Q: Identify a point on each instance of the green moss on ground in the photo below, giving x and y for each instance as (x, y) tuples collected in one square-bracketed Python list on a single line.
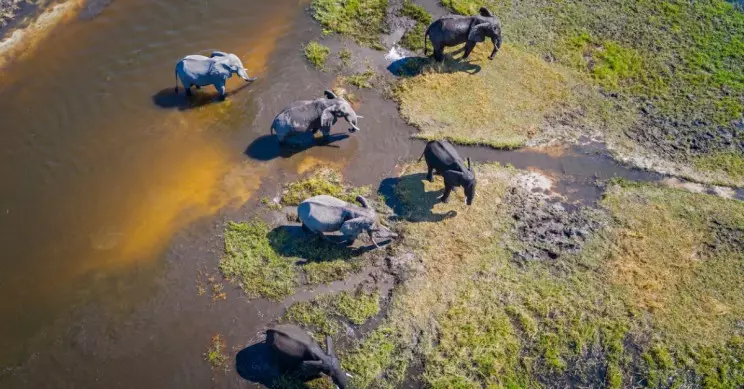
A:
[(317, 54), (676, 66), (362, 20), (654, 298), (323, 314), (324, 181), (413, 39)]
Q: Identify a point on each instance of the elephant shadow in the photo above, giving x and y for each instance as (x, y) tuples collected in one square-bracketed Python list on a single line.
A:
[(413, 66), (170, 99), (293, 241), (256, 364), (267, 147), (419, 209)]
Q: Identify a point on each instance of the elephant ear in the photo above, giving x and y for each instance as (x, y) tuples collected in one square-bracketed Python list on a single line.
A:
[(329, 95), (478, 32), (485, 12), (453, 177), (218, 54), (327, 119)]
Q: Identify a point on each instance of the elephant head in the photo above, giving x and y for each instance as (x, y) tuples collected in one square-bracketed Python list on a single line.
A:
[(487, 25), (339, 108), (464, 178), (229, 64)]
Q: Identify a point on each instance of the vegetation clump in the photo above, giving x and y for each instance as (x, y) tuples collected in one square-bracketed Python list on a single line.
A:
[(360, 80), (215, 354), (362, 20), (413, 39), (317, 54), (652, 298), (324, 181), (323, 314)]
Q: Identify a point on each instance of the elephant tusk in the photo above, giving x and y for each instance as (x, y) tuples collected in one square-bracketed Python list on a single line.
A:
[(360, 117), (349, 375)]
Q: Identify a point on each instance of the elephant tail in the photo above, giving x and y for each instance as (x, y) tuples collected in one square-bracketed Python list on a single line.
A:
[(426, 34), (422, 155), (362, 201)]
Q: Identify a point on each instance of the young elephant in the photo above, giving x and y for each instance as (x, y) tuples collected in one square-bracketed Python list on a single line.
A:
[(323, 213), (313, 115), (453, 30), (294, 349), (199, 71), (442, 157)]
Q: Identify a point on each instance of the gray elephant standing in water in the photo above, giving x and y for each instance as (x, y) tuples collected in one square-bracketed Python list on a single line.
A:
[(199, 71), (323, 213), (313, 115), (453, 30)]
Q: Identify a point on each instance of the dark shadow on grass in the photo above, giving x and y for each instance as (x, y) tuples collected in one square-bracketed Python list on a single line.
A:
[(170, 99), (293, 241), (266, 147), (413, 66), (256, 363), (412, 187)]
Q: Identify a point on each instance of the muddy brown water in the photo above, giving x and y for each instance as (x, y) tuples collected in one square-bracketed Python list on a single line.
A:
[(114, 190)]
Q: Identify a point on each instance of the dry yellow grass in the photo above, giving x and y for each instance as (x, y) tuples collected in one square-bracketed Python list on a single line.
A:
[(502, 105)]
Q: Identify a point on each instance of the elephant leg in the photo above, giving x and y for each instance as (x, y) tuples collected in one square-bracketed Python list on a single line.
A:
[(430, 174), (197, 86), (188, 90), (221, 89), (468, 48), (447, 192), (439, 53)]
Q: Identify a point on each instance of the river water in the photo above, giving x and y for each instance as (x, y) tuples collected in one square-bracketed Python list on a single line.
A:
[(114, 189)]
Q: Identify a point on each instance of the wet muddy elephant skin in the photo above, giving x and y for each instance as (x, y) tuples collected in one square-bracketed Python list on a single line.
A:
[(199, 71), (313, 115), (453, 30), (323, 213), (443, 158), (295, 350)]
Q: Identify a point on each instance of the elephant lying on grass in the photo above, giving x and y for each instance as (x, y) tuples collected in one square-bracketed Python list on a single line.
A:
[(313, 115), (453, 30), (199, 71), (294, 349), (323, 213)]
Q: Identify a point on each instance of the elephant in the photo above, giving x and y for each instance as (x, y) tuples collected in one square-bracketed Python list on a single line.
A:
[(453, 30), (295, 350), (324, 213), (199, 71), (313, 115), (442, 157)]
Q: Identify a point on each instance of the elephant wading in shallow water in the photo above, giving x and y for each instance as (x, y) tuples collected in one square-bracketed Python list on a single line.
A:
[(323, 213), (453, 30), (313, 115), (295, 350), (199, 71)]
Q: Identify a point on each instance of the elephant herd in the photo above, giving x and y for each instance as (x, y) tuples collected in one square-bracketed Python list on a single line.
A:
[(292, 346)]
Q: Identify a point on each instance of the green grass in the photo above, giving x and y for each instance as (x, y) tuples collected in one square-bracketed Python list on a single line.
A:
[(216, 355), (317, 54), (323, 314), (362, 20), (360, 80), (413, 39), (322, 182), (654, 298), (677, 66), (494, 106), (345, 57), (729, 163), (251, 260)]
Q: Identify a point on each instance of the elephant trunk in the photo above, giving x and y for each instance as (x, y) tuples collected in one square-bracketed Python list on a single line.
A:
[(243, 73), (352, 119)]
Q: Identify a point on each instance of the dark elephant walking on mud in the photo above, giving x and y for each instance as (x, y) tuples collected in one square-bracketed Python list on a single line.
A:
[(443, 158), (453, 30), (295, 350), (314, 115)]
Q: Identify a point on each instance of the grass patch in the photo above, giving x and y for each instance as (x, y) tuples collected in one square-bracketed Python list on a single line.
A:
[(496, 106), (317, 54), (731, 164), (322, 182), (251, 261), (413, 39), (345, 57), (652, 300), (362, 20), (216, 355), (323, 313), (360, 80)]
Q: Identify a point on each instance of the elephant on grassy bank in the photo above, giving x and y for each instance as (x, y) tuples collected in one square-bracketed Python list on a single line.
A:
[(199, 71), (295, 350), (321, 214), (442, 157), (453, 30), (313, 115)]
